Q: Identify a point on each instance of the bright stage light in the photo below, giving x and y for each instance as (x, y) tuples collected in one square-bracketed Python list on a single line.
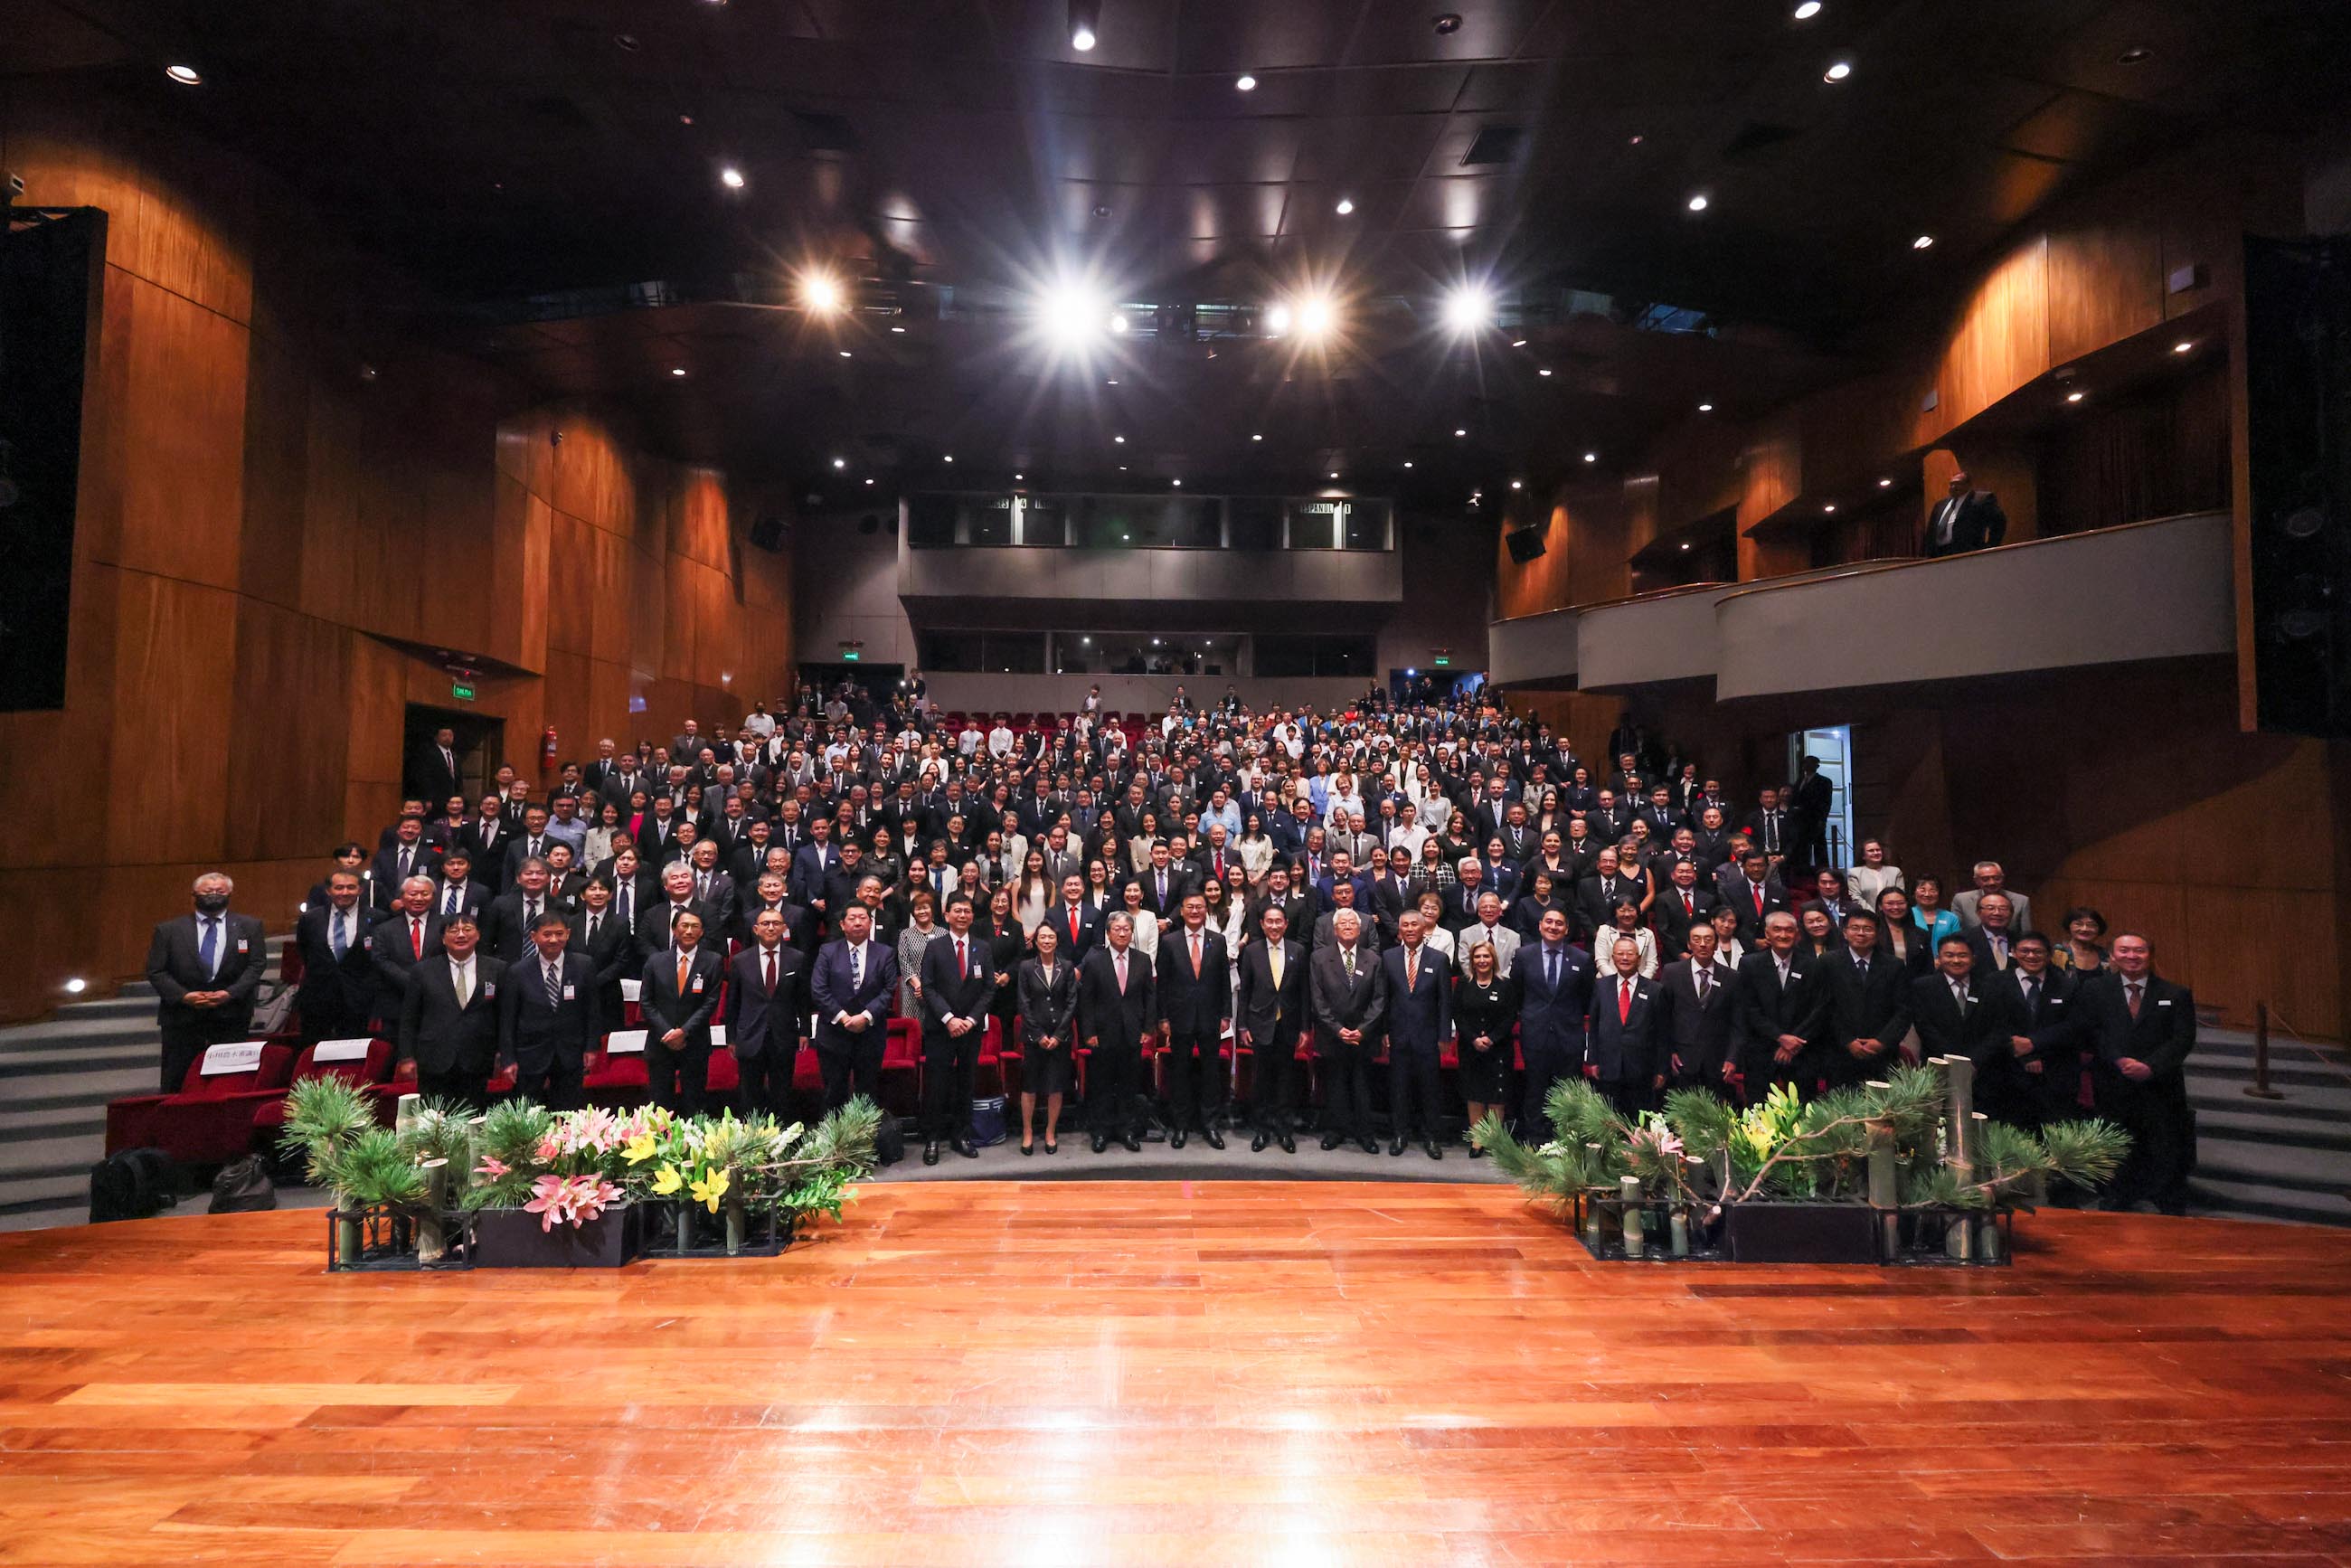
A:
[(1469, 308)]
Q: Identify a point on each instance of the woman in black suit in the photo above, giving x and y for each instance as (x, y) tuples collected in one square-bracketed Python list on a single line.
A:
[(1006, 942), (1542, 894), (1484, 1009), (1049, 1005)]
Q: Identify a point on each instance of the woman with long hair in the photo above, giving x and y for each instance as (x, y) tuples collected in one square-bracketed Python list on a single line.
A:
[(1047, 1008)]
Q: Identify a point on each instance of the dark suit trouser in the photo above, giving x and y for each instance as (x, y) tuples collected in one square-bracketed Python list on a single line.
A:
[(768, 1079), (466, 1088), (558, 1085), (185, 1038), (1196, 1078), (1544, 1068), (1112, 1071), (2162, 1128), (854, 1071), (328, 1019), (680, 1079), (1347, 1088), (950, 1076), (1273, 1060), (1413, 1090), (1629, 1095)]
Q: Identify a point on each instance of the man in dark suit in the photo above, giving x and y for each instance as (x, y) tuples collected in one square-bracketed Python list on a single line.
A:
[(657, 921), (510, 926), (678, 997), (485, 841), (1196, 1010), (1269, 1013), (205, 968), (433, 773), (337, 997), (1993, 938), (1418, 984), (400, 940), (1682, 907), (1771, 828), (1116, 1011), (456, 890), (957, 986), (407, 855), (812, 869), (1349, 1004), (1868, 996), (1961, 1012), (449, 1018), (1697, 1016), (549, 1018), (609, 945), (1165, 884), (1597, 895), (2056, 1053), (854, 980), (1812, 801), (1965, 519), (532, 844), (1555, 984), (1756, 893), (1076, 921), (1621, 1055), (763, 1015), (2142, 1028), (1781, 1011)]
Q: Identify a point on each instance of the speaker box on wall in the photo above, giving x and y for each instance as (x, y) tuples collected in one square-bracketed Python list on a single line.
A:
[(49, 263), (1525, 544), (768, 533), (2298, 457)]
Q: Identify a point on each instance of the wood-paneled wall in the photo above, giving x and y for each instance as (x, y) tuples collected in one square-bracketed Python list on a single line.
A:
[(261, 527)]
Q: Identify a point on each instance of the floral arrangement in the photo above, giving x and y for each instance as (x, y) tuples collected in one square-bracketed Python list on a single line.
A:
[(1703, 1152)]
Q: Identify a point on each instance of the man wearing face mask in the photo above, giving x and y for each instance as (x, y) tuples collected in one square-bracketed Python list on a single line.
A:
[(206, 967)]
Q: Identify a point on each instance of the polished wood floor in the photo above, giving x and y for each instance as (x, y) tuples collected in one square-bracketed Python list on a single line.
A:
[(1227, 1373)]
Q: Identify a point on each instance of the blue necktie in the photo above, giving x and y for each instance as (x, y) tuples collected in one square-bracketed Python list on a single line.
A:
[(336, 938), (1550, 966), (208, 949)]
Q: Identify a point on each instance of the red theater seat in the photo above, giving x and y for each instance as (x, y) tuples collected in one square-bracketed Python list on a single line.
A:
[(270, 1104), (209, 1121)]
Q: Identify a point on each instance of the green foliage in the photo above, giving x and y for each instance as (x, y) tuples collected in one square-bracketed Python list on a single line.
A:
[(373, 1167), (2084, 1153), (441, 1130), (1581, 1114), (511, 1132), (1705, 1124), (845, 1139), (322, 1114)]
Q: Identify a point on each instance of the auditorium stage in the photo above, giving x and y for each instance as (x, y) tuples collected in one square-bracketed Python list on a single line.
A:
[(1217, 1372)]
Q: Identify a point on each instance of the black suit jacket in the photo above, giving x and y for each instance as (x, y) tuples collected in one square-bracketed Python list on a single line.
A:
[(1769, 1009), (1048, 1009), (666, 1008), (1673, 923), (949, 994), (532, 1033), (1193, 1004), (614, 952), (2161, 1036), (1108, 1016), (1977, 523), (431, 779), (175, 967), (331, 986), (1698, 1035), (436, 1033), (1875, 1006), (425, 861), (758, 1023), (505, 934), (1983, 1033), (1623, 1047), (1267, 1013)]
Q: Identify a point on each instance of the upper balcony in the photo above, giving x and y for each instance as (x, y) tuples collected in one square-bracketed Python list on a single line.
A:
[(2161, 589)]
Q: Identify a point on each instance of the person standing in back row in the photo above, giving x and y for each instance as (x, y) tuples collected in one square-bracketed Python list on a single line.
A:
[(1966, 519), (206, 968)]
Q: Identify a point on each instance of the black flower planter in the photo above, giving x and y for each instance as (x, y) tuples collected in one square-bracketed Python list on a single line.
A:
[(1802, 1233), (382, 1240), (514, 1239), (684, 1229)]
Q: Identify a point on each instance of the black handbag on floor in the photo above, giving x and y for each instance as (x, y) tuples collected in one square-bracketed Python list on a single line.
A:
[(243, 1187)]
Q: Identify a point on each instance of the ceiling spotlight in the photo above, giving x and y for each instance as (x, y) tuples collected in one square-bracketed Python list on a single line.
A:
[(77, 986), (1592, 457), (1830, 507), (1449, 23), (1458, 433), (1347, 205), (2135, 56), (1117, 322), (677, 370), (1885, 483), (731, 177), (1634, 139), (1923, 242), (1085, 17), (186, 75), (819, 292), (1469, 308), (1838, 71), (1277, 321), (1316, 316), (1515, 484), (1118, 440), (1246, 83), (2076, 397), (948, 458), (845, 354), (1072, 312), (1808, 10), (1686, 544), (1518, 343), (1407, 461), (1544, 370), (1256, 438), (1698, 202), (1178, 484), (840, 463), (897, 329), (1111, 383), (869, 481), (2182, 347), (1705, 407), (1334, 473), (1015, 475)]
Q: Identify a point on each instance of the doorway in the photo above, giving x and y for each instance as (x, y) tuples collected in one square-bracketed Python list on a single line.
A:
[(1834, 747), (480, 742)]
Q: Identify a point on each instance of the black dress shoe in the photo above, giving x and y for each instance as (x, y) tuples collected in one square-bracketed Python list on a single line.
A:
[(965, 1147), (1028, 1149), (1101, 1143), (1370, 1145), (1215, 1139), (1477, 1153), (1175, 1139), (1133, 1145), (1396, 1147), (1257, 1144), (1051, 1147), (930, 1154), (1330, 1141), (1289, 1144), (1433, 1151)]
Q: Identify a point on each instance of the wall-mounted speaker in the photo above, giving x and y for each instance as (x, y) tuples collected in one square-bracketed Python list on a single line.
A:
[(1525, 544), (769, 532)]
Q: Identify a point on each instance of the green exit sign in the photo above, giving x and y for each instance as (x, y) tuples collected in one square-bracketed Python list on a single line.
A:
[(461, 691), (1441, 661), (851, 655)]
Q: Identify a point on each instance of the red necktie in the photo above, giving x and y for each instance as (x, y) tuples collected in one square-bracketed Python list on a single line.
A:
[(962, 965), (1624, 1002), (416, 935), (1759, 898), (1073, 922), (771, 971)]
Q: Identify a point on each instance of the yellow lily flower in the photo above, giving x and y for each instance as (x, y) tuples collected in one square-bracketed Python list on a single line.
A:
[(667, 1181), (638, 1149), (712, 1191)]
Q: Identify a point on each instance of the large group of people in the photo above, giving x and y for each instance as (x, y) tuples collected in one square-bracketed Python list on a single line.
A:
[(1404, 886)]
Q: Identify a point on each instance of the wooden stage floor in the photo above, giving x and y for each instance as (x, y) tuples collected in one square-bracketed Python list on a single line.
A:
[(1297, 1375)]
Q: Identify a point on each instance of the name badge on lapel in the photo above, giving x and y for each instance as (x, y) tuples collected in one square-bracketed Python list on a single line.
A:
[(490, 990), (698, 985), (568, 993), (243, 945), (2165, 1003)]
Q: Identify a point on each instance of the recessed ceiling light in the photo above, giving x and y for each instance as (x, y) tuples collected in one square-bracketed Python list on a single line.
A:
[(897, 329), (1544, 371), (1838, 71), (869, 481), (1256, 438), (1246, 83), (1119, 440), (2076, 397), (1698, 202), (1808, 10), (1459, 433), (1686, 544), (948, 458), (1178, 484), (1923, 242), (1117, 322), (1111, 383), (840, 463), (820, 291), (2182, 347), (845, 353), (1830, 507), (677, 370), (1592, 457), (1334, 473), (731, 177), (1705, 407), (626, 40), (1515, 484), (1518, 343), (1015, 475), (1347, 205), (2135, 56), (685, 120), (1407, 461), (1885, 483), (77, 986), (1085, 19), (1634, 139), (186, 75), (1448, 22)]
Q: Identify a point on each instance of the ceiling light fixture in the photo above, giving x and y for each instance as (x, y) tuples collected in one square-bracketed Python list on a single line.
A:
[(1686, 544), (1838, 71), (1592, 457), (1117, 322), (1699, 201), (1015, 475), (1831, 507), (1256, 438), (1447, 22), (1924, 242), (845, 354), (1808, 10), (1277, 321), (1072, 312), (1118, 440), (1246, 83), (2136, 56), (1334, 473), (677, 370), (1885, 483), (2182, 347), (1705, 407), (949, 458), (1085, 19), (869, 481), (1178, 484), (1544, 370), (1347, 205), (186, 75), (897, 329), (1469, 308), (840, 463), (1518, 343), (1515, 484), (1407, 461), (1316, 317), (731, 177), (820, 292), (2076, 397)]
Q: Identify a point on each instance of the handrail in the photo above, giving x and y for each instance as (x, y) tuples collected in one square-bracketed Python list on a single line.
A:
[(1653, 596), (1870, 567)]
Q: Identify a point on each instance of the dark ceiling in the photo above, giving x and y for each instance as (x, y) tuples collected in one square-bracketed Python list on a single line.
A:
[(549, 167)]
